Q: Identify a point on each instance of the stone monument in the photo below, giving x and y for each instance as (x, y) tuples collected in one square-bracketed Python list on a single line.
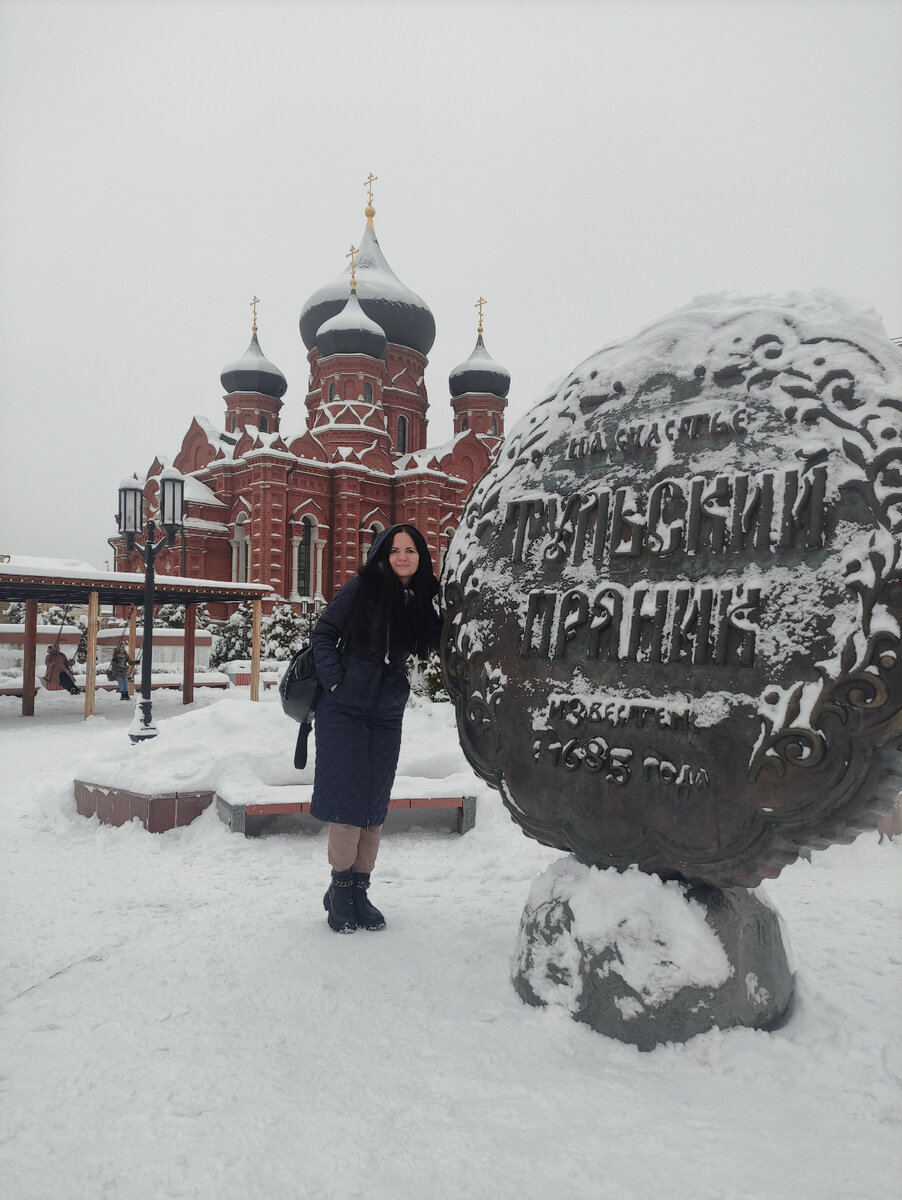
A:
[(674, 610)]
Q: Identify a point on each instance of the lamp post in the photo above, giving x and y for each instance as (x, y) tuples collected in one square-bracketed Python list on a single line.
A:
[(130, 521)]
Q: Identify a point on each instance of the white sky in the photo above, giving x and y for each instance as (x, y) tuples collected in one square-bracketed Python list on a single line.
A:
[(587, 167)]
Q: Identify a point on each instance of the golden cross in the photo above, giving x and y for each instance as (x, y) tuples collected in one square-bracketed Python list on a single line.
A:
[(350, 254), (368, 184), (479, 303), (254, 303)]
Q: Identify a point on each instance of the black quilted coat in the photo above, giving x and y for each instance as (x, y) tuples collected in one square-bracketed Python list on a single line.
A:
[(358, 726)]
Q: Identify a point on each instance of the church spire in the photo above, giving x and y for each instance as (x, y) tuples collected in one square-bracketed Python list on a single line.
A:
[(369, 212), (403, 315), (479, 388)]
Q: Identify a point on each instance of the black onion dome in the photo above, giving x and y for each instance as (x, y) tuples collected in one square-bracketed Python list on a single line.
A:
[(253, 372), (404, 316), (351, 331), (480, 373)]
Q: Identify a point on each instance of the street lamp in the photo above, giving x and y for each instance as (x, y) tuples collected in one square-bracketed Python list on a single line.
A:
[(130, 521)]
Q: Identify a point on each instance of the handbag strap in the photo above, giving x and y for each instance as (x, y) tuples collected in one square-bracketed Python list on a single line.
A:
[(300, 746)]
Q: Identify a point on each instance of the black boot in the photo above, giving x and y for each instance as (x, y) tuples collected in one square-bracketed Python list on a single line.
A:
[(367, 915), (339, 904)]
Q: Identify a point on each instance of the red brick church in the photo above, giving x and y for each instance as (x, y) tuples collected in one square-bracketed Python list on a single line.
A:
[(298, 511)]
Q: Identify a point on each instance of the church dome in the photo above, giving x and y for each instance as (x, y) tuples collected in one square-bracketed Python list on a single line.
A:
[(405, 317), (253, 372), (480, 373), (351, 331)]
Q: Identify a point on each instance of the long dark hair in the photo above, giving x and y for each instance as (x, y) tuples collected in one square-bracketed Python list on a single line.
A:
[(383, 617)]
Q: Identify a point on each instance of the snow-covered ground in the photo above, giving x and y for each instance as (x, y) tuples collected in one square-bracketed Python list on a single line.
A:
[(178, 1020)]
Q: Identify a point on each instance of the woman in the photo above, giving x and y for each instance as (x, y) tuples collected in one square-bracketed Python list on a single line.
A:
[(58, 671), (119, 669), (361, 645)]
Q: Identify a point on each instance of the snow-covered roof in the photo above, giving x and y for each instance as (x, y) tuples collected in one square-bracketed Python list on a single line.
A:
[(421, 467), (49, 566), (198, 493), (267, 452), (215, 436), (416, 461), (77, 569), (72, 581), (253, 372), (403, 315), (479, 373), (351, 331), (439, 452), (208, 526)]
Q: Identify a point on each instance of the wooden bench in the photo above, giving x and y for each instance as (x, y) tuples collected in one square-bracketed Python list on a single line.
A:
[(245, 818), (105, 685), (160, 811)]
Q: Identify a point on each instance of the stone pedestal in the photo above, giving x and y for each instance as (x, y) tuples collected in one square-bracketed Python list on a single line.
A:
[(647, 962)]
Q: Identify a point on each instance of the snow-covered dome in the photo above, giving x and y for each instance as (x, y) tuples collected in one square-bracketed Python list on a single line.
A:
[(253, 372), (351, 331), (405, 317), (480, 373)]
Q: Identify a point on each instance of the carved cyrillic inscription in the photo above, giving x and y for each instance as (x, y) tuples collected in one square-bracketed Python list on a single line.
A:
[(610, 710), (674, 623), (718, 514), (649, 435), (616, 764), (612, 762)]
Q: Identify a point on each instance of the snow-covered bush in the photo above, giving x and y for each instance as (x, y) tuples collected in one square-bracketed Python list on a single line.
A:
[(233, 639), (426, 679), (282, 632), (14, 613), (172, 616), (56, 614)]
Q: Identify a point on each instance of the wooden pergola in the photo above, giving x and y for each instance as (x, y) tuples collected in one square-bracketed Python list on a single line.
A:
[(47, 583)]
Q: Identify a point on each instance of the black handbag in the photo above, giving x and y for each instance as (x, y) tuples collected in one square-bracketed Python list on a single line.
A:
[(299, 687), (299, 690)]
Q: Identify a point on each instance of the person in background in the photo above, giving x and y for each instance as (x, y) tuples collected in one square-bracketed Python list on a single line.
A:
[(119, 669), (58, 670), (361, 644)]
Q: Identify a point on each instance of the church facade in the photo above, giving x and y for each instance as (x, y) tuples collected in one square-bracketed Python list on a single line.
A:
[(299, 512)]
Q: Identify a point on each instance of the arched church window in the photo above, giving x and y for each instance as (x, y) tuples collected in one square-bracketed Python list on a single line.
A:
[(368, 393), (305, 559), (264, 425), (465, 423), (332, 391), (402, 435), (495, 426)]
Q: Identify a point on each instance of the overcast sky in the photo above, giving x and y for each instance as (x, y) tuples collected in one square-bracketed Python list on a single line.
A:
[(587, 167)]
